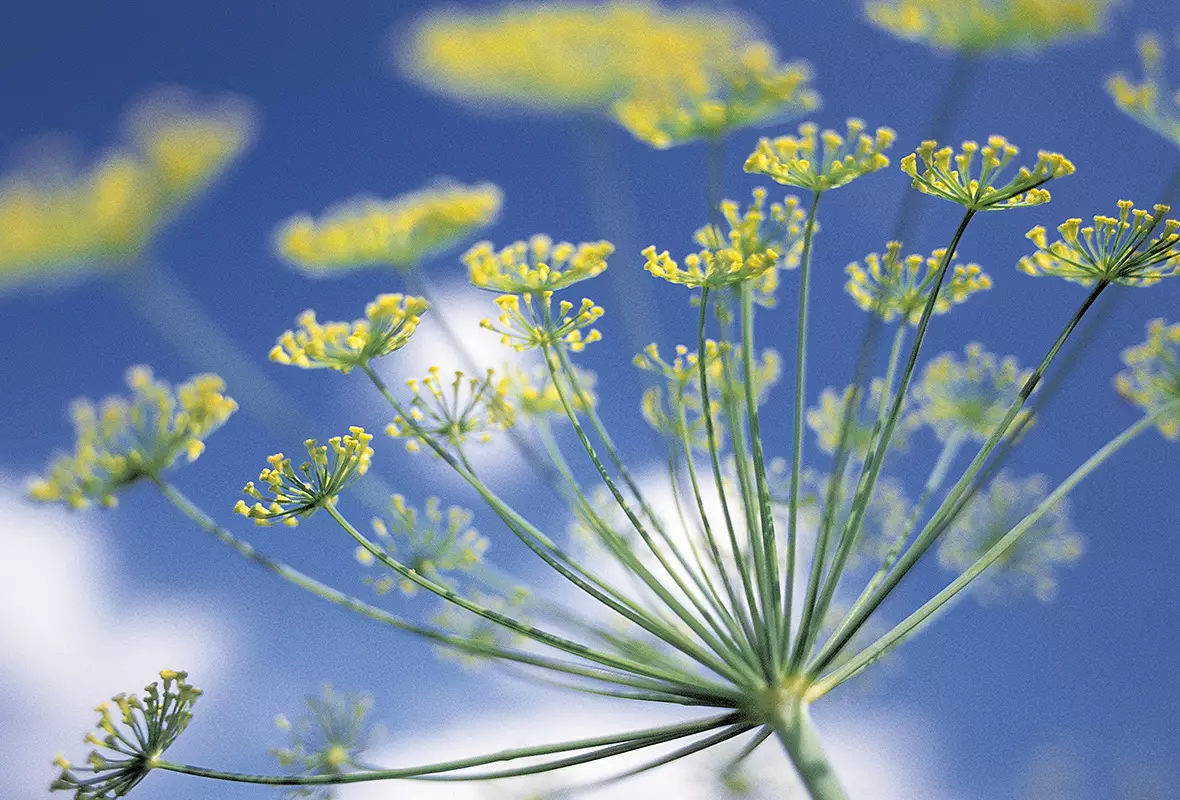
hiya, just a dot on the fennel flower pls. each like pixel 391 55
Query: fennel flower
pixel 819 161
pixel 1152 377
pixel 892 286
pixel 389 322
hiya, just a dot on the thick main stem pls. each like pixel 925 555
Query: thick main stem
pixel 795 730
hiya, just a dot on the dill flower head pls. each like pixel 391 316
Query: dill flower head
pixel 400 233
pixel 1152 377
pixel 1115 249
pixel 57 220
pixel 969 398
pixel 953 177
pixel 536 396
pixel 821 160
pixel 989 26
pixel 753 88
pixel 759 241
pixel 389 322
pixel 128 752
pixel 536 265
pixel 330 739
pixel 891 286
pixel 289 494
pixel 1150 102
pixel 827 420
pixel 124 439
pixel 452 414
pixel 567 55
pixel 526 323
pixel 434 544
pixel 1032 562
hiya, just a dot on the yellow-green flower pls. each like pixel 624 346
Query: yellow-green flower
pixel 536 265
pixel 389 322
pixel 952 177
pixel 130 751
pixel 1150 101
pixel 568 54
pixel 401 233
pixel 528 324
pixel 330 740
pixel 758 242
pixel 969 398
pixel 433 544
pixel 819 161
pixel 536 396
pixel 753 89
pixel 454 413
pixel 989 26
pixel 1152 377
pixel 891 286
pixel 125 439
pixel 1029 564
pixel 289 494
pixel 1117 250
pixel 59 221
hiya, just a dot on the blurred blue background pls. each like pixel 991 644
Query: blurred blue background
pixel 1083 690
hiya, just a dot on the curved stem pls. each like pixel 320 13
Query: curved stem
pixel 634 740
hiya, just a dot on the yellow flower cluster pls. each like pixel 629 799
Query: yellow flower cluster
pixel 401 232
pixel 1150 102
pixel 989 26
pixel 150 726
pixel 451 414
pixel 431 543
pixel 536 395
pixel 892 286
pixel 949 176
pixel 567 54
pixel 128 438
pixel 1152 377
pixel 289 495
pixel 969 398
pixel 389 322
pixel 526 323
pixel 758 242
pixel 1115 249
pixel 57 221
pixel 536 265
pixel 754 88
pixel 819 161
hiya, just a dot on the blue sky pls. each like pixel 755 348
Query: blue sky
pixel 1090 675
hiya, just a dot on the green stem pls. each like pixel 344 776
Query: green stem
pixel 800 407
pixel 906 627
pixel 325 592
pixel 757 630
pixel 633 740
pixel 769 544
pixel 952 502
pixel 797 733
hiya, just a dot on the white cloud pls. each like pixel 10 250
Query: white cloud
pixel 71 635
pixel 879 753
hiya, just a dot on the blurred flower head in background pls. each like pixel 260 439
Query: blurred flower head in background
pixel 568 55
pixel 1149 101
pixel 977 27
pixel 57 220
pixel 401 233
